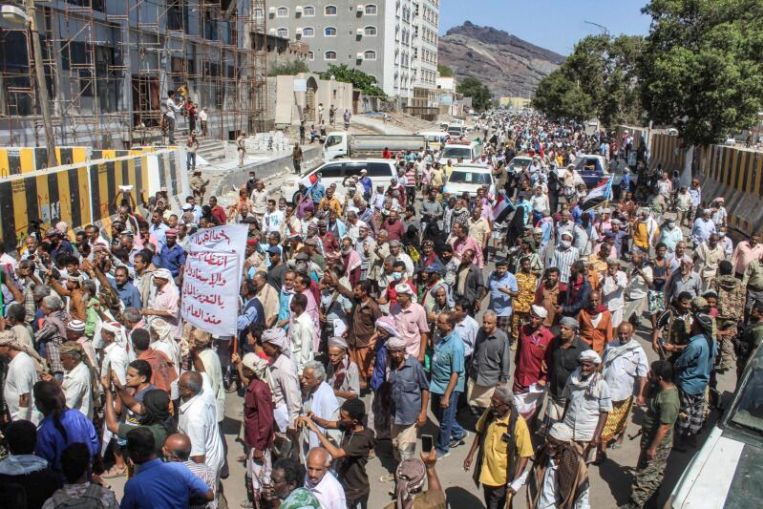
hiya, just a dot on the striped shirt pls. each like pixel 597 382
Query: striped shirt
pixel 563 260
pixel 206 474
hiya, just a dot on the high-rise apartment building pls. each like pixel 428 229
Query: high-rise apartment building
pixel 383 38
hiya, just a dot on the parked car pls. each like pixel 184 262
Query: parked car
pixel 468 178
pixel 381 171
pixel 726 472
pixel 593 169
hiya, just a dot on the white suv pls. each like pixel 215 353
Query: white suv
pixel 381 172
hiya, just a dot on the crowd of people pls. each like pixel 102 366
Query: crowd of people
pixel 368 314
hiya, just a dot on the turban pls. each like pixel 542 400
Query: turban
pixel 539 311
pixel 568 321
pixel 112 327
pixel 8 338
pixel 338 342
pixel 71 347
pixel 561 432
pixel 396 343
pixel 276 337
pixel 76 326
pixel 388 325
pixel 163 274
pixel 589 355
pixel 410 474
pixel 259 367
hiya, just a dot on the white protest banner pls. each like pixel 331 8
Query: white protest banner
pixel 212 278
pixel 210 292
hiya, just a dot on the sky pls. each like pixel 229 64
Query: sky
pixel 551 24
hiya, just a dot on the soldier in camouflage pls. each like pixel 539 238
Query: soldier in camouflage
pixel 731 300
pixel 661 414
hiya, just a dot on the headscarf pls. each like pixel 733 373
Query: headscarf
pixel 259 367
pixel 410 474
pixel 589 355
pixel 387 323
pixel 164 333
pixel 396 343
pixel 277 337
pixel 9 338
pixel 116 328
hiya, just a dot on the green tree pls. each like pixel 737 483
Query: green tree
pixel 480 94
pixel 445 71
pixel 559 97
pixel 702 67
pixel 360 80
pixel 599 79
pixel 289 68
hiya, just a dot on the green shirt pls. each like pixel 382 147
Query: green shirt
pixel 300 498
pixel 661 408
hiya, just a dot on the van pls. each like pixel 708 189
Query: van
pixel 381 172
pixel 467 151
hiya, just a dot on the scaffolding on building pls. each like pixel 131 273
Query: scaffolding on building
pixel 109 66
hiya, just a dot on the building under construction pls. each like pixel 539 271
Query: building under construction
pixel 110 63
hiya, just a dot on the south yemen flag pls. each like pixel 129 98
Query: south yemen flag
pixel 502 207
pixel 598 194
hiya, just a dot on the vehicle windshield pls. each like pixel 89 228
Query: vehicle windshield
pixel 521 162
pixel 468 177
pixel 455 152
pixel 748 410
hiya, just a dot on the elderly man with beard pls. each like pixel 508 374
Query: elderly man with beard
pixel 317 398
pixel 166 302
pixel 588 403
pixel 411 320
pixel 505 447
pixel 198 420
pixel 625 367
pixel 559 477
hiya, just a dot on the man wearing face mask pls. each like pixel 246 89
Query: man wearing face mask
pixel 352 454
pixel 625 368
pixel 671 235
pixel 709 254
pixel 564 256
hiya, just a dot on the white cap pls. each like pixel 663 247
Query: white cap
pixel 539 311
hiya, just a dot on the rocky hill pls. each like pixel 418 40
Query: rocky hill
pixel 508 65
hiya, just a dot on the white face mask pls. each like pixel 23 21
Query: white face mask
pixel 566 243
pixel 397 276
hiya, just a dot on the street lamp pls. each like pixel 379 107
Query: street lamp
pixel 15 17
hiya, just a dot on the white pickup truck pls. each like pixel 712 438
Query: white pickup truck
pixel 341 144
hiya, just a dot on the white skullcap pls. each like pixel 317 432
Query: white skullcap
pixel 561 432
pixel 590 355
pixel 396 343
pixel 539 311
pixel 76 326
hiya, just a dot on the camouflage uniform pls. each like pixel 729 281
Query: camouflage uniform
pixel 731 300
pixel 662 408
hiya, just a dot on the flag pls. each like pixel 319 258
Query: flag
pixel 309 181
pixel 600 193
pixel 502 207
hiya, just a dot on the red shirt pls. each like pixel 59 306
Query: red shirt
pixel 219 213
pixel 394 230
pixel 258 415
pixel 531 352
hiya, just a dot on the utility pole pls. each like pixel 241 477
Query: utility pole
pixel 42 86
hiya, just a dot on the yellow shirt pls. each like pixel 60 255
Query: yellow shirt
pixel 641 236
pixel 333 204
pixel 448 170
pixel 495 456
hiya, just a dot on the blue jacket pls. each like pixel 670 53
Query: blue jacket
pixel 694 365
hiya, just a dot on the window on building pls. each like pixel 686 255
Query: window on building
pixel 282 12
pixel 369 55
pixel 308 11
pixel 370 30
pixel 329 32
pixel 330 55
pixel 330 10
pixel 308 32
pixel 370 9
pixel 283 32
pixel 310 56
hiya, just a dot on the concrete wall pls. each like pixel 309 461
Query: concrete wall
pixel 734 173
pixel 291 107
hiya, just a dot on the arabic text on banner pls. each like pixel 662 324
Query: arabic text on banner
pixel 210 292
